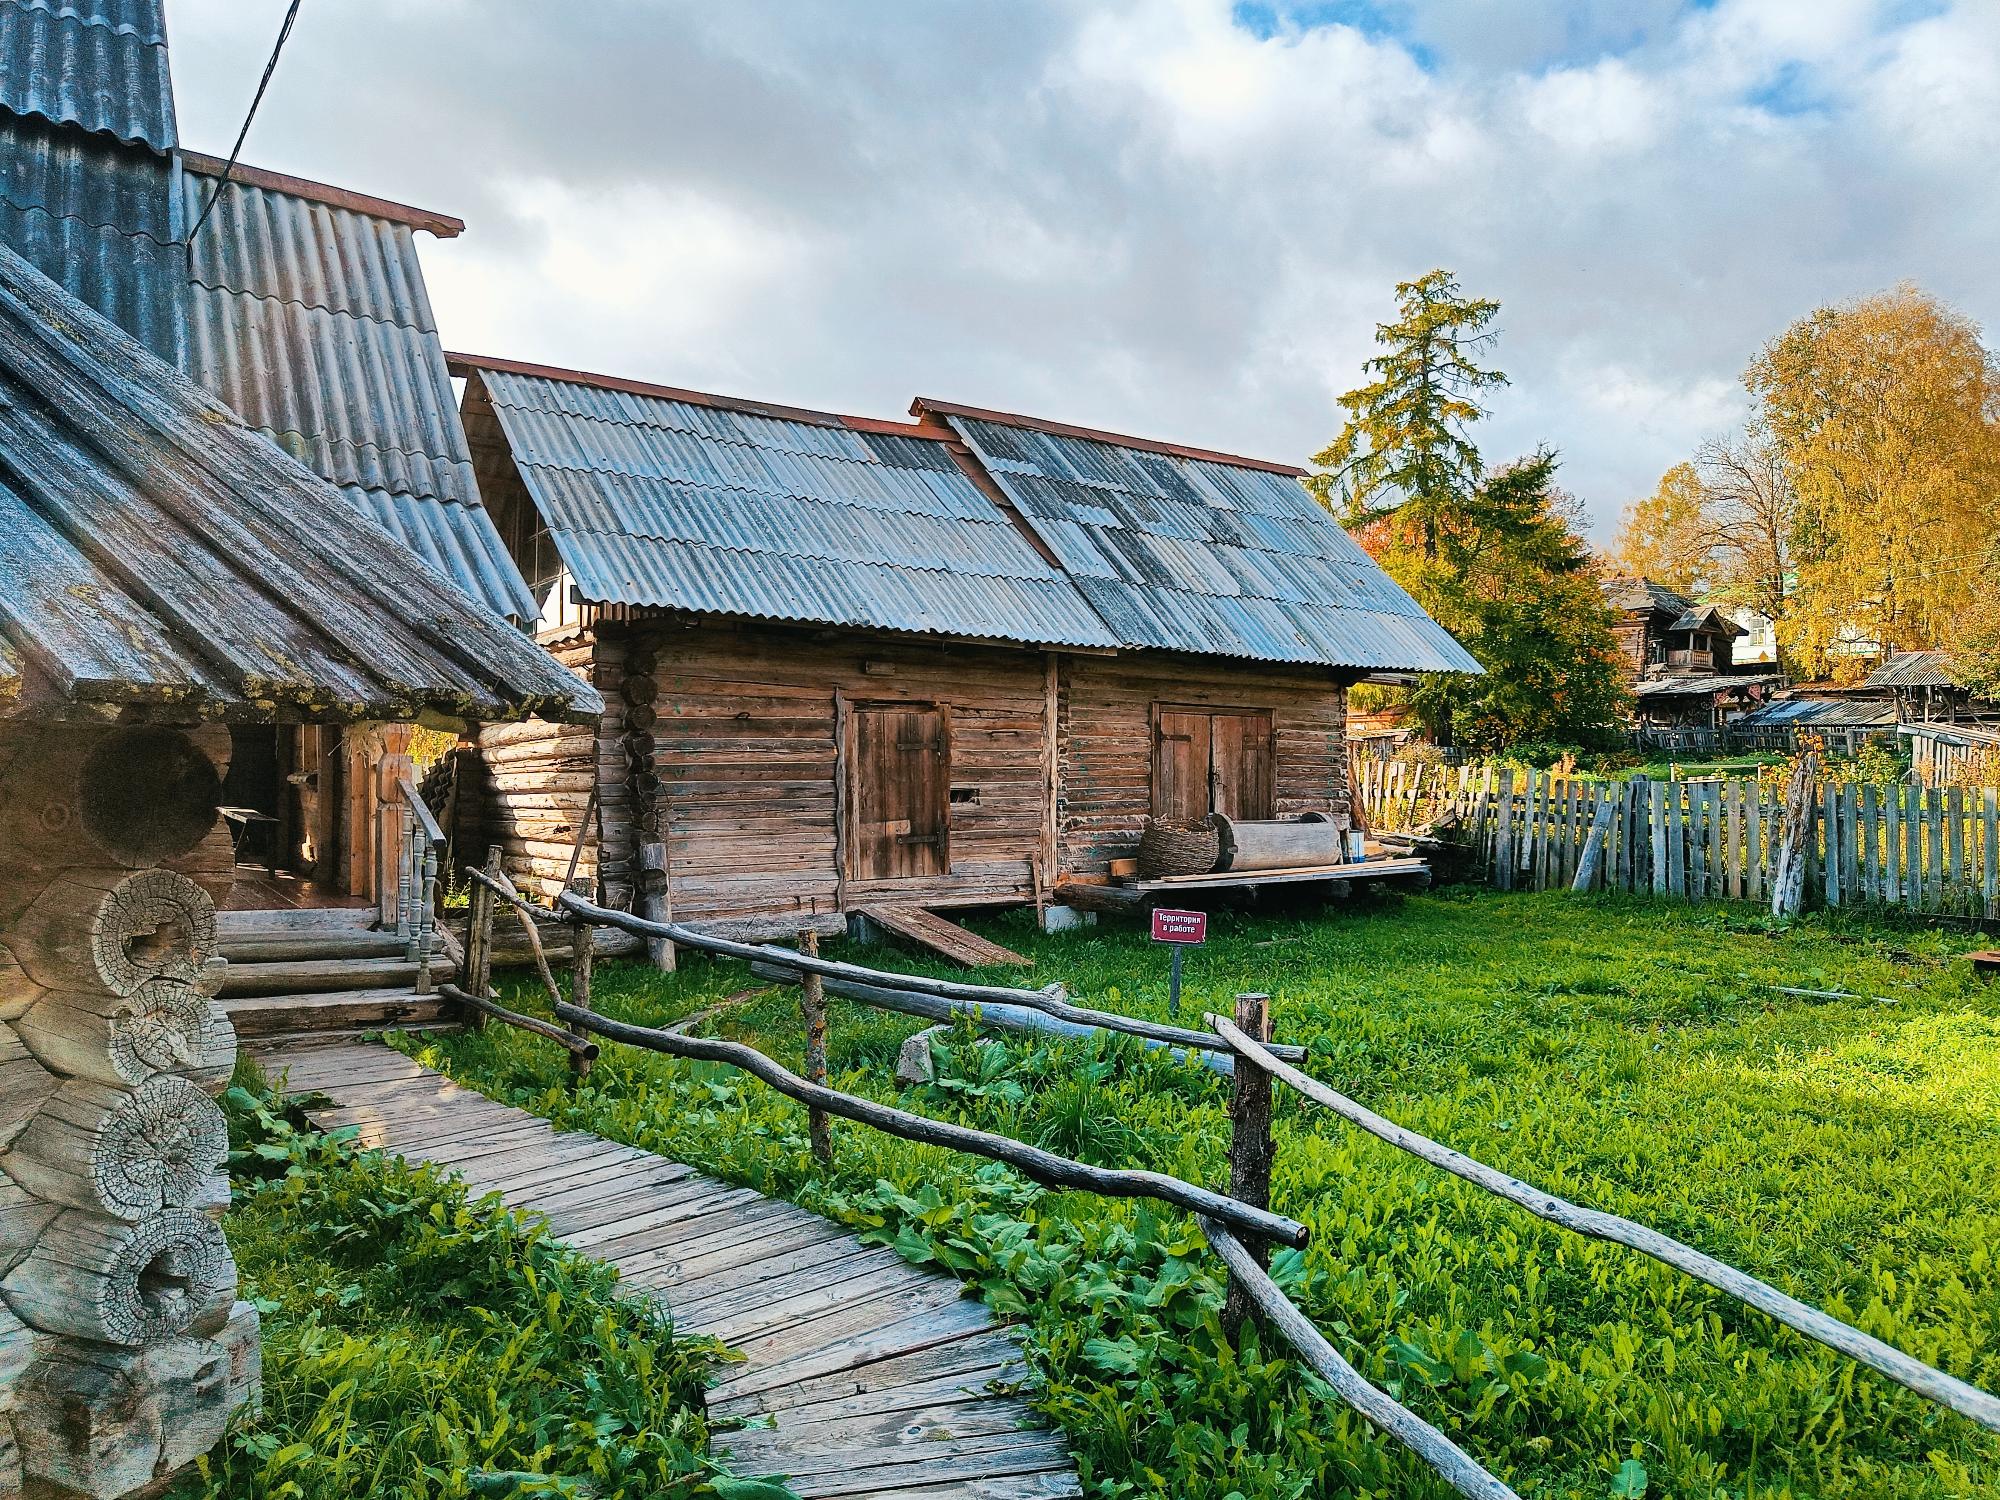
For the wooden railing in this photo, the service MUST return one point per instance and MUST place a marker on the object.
(1225, 1219)
(421, 847)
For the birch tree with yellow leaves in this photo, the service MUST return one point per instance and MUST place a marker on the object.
(1886, 414)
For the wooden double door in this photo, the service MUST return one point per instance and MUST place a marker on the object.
(899, 775)
(1208, 760)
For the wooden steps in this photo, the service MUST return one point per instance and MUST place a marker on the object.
(257, 1017)
(929, 930)
(874, 1379)
(304, 972)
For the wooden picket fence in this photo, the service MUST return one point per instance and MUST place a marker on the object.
(1926, 850)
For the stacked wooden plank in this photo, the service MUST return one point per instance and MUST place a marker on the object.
(123, 1349)
(867, 1376)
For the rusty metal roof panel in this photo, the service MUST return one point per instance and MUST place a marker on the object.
(100, 65)
(164, 558)
(1913, 669)
(1186, 552)
(675, 504)
(98, 218)
(312, 322)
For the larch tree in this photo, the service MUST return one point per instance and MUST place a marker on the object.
(1885, 412)
(1496, 558)
(1405, 456)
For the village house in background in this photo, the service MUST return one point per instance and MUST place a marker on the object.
(854, 664)
(1679, 658)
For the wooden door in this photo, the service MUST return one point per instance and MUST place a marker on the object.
(1181, 749)
(901, 770)
(1208, 761)
(1240, 775)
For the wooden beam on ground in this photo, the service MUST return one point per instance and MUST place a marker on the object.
(929, 930)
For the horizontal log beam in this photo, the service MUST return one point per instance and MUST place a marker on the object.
(977, 994)
(1018, 1018)
(582, 1046)
(1032, 1161)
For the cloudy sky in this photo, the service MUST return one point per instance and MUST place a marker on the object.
(1180, 218)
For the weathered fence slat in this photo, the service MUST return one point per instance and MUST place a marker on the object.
(1935, 851)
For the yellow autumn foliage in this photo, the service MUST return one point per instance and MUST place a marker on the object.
(1887, 413)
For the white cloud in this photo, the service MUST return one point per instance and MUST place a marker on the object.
(1138, 214)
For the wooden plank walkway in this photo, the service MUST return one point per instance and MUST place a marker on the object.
(868, 1376)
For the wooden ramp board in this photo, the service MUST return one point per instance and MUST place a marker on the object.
(1372, 869)
(1986, 964)
(932, 931)
(863, 1376)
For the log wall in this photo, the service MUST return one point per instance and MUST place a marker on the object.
(738, 727)
(123, 1349)
(1105, 741)
(738, 736)
(528, 789)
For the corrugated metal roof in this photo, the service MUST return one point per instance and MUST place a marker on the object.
(695, 505)
(1691, 684)
(99, 218)
(161, 555)
(311, 320)
(1913, 669)
(97, 64)
(1204, 554)
(1819, 713)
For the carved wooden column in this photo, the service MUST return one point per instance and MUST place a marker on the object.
(123, 1349)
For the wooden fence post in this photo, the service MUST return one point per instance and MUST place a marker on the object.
(582, 958)
(812, 1005)
(1788, 884)
(478, 945)
(1250, 1148)
(1595, 844)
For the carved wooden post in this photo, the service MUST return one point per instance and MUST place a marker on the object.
(1249, 1142)
(123, 1349)
(812, 1005)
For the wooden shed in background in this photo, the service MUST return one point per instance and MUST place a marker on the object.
(945, 663)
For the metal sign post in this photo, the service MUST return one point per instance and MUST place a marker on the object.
(1180, 930)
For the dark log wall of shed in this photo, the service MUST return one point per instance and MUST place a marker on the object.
(528, 788)
(1105, 732)
(747, 723)
(748, 747)
(747, 744)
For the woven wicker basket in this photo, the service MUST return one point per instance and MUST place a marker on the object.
(1177, 849)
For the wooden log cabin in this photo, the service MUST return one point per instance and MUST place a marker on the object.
(949, 662)
(169, 577)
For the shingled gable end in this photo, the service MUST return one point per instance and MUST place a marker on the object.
(950, 662)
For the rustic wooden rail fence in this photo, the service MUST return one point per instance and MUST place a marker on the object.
(1224, 1218)
(1932, 851)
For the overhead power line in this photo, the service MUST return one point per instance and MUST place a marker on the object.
(270, 67)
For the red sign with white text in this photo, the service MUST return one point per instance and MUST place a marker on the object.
(1171, 926)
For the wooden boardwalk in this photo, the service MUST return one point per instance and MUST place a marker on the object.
(864, 1375)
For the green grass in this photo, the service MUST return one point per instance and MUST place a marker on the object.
(1632, 1057)
(420, 1344)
